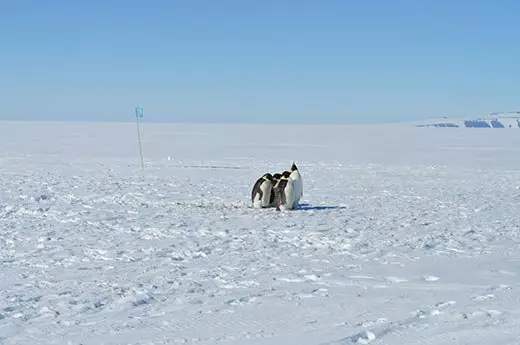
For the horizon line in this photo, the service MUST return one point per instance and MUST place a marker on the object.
(155, 121)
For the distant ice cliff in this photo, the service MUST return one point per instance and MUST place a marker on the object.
(487, 122)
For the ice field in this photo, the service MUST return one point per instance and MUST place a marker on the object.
(404, 235)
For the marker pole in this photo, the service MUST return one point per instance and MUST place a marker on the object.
(138, 114)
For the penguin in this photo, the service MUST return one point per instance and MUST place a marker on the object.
(298, 183)
(284, 193)
(262, 194)
(276, 178)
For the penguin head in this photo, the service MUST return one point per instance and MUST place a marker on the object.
(294, 167)
(268, 176)
(277, 176)
(286, 174)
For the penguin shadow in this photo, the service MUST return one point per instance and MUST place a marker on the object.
(309, 207)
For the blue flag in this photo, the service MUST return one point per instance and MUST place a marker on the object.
(139, 112)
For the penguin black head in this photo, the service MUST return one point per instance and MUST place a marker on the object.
(294, 167)
(268, 176)
(286, 174)
(277, 176)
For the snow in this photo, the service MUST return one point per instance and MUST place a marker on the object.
(404, 235)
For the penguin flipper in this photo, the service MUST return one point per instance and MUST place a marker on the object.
(260, 194)
(272, 196)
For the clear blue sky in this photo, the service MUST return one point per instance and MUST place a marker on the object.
(327, 61)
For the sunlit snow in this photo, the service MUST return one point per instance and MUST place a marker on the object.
(404, 235)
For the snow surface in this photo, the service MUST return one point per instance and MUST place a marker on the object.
(404, 235)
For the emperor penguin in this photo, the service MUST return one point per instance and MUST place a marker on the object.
(276, 178)
(284, 193)
(298, 183)
(262, 194)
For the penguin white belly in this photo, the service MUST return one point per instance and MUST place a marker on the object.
(290, 195)
(298, 186)
(257, 202)
(287, 202)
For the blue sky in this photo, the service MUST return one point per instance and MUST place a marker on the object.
(330, 61)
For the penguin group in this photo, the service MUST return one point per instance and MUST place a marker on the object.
(282, 191)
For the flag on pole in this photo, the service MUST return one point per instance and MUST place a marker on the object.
(138, 112)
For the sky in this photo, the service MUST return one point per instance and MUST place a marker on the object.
(269, 61)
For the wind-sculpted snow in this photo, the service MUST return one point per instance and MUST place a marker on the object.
(94, 251)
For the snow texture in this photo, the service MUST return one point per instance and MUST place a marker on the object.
(404, 235)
